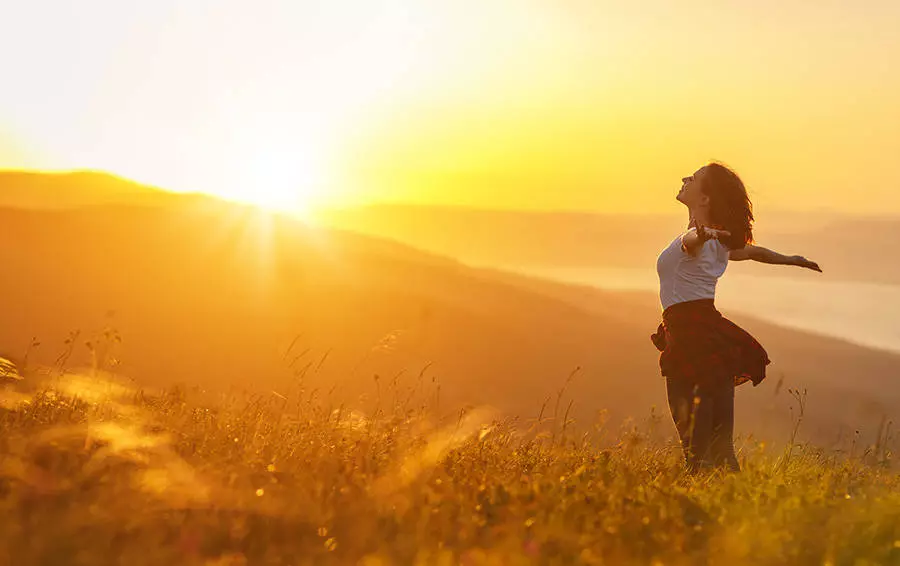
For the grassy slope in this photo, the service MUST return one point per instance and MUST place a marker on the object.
(94, 473)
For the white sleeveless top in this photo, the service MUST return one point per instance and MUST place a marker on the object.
(683, 277)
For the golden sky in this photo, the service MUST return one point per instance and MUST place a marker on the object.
(562, 104)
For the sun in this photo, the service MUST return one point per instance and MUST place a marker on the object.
(279, 181)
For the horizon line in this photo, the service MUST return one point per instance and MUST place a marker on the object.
(387, 203)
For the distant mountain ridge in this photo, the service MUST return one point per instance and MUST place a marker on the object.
(848, 247)
(74, 189)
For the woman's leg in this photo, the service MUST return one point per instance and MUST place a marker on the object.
(692, 411)
(722, 426)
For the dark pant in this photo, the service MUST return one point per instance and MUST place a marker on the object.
(704, 417)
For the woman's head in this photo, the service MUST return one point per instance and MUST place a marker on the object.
(720, 192)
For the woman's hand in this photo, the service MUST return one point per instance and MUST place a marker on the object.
(711, 233)
(693, 241)
(801, 261)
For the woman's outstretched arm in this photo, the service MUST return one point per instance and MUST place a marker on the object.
(765, 255)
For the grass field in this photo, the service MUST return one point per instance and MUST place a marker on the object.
(93, 471)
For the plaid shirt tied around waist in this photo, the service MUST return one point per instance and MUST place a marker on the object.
(697, 343)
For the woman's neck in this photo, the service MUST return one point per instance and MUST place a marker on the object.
(699, 216)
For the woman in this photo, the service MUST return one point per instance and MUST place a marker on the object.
(704, 355)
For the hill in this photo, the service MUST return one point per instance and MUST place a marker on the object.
(75, 189)
(228, 297)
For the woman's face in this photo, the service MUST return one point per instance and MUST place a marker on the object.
(691, 195)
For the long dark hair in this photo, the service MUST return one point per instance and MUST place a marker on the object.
(729, 206)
